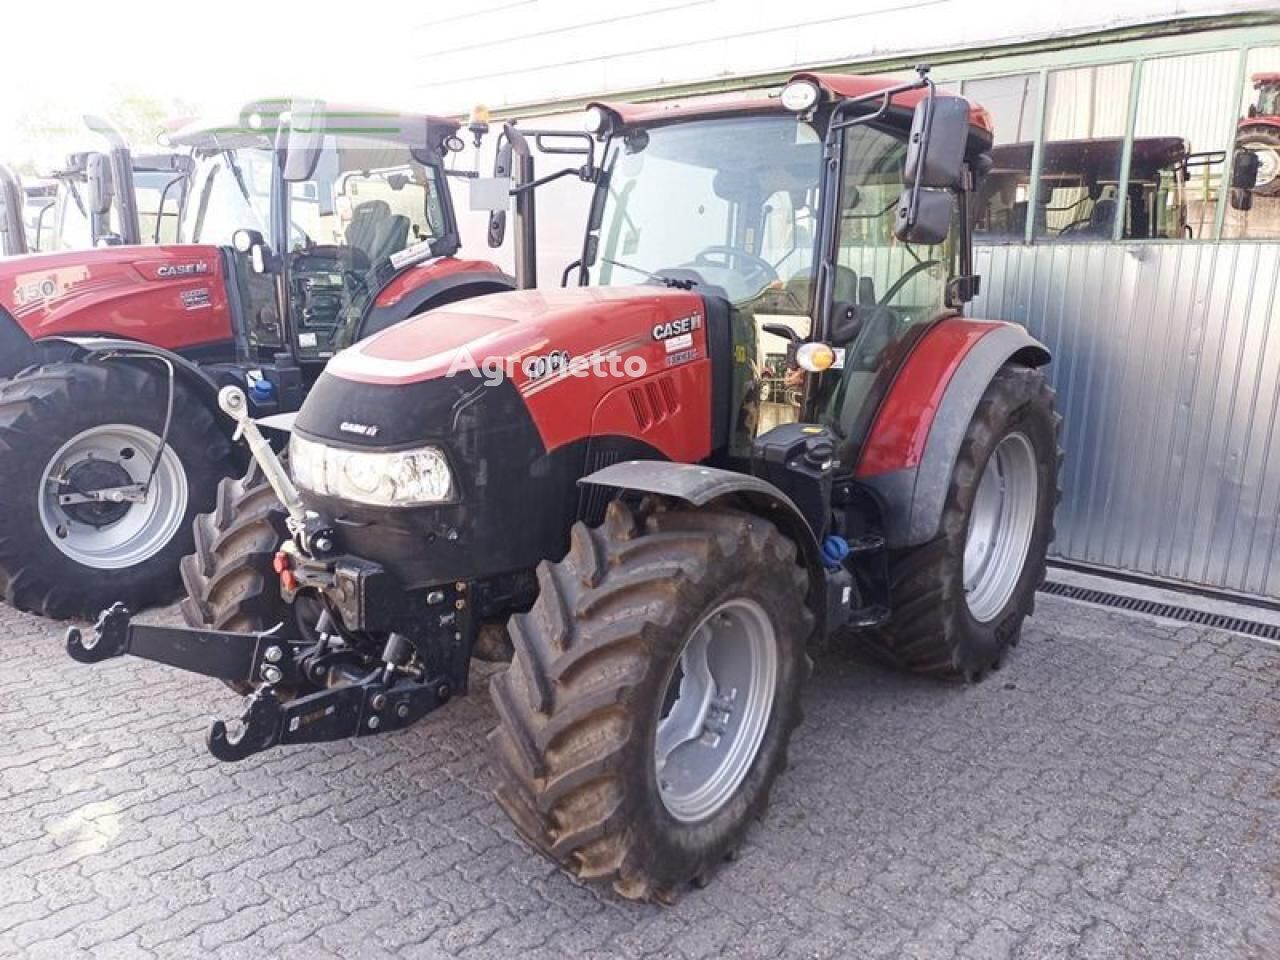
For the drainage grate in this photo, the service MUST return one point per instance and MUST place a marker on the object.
(1266, 631)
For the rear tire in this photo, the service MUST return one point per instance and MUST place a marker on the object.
(940, 625)
(1265, 142)
(595, 668)
(77, 427)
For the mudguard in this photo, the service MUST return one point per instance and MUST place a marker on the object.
(913, 444)
(699, 486)
(17, 350)
(447, 282)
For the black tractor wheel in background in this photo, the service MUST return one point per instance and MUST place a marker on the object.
(655, 686)
(959, 601)
(1265, 142)
(231, 583)
(68, 429)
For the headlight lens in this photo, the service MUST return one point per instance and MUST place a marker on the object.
(401, 478)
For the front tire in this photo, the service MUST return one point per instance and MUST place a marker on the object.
(959, 601)
(231, 583)
(67, 429)
(598, 754)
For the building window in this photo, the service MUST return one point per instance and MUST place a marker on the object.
(1178, 157)
(1014, 105)
(1086, 115)
(1254, 174)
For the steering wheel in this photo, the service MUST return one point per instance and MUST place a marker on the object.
(757, 266)
(903, 280)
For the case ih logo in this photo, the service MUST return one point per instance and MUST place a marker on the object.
(167, 270)
(362, 429)
(677, 328)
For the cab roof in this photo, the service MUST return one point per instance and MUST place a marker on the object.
(836, 86)
(256, 121)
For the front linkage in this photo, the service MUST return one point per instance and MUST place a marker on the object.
(331, 686)
(304, 692)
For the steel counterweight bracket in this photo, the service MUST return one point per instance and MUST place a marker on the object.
(110, 637)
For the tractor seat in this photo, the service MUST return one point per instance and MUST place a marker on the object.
(366, 220)
(392, 237)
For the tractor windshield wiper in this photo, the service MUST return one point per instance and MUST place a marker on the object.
(674, 282)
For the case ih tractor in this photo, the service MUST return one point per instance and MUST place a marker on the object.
(300, 237)
(1259, 133)
(590, 467)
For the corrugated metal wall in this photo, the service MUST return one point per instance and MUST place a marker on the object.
(1167, 365)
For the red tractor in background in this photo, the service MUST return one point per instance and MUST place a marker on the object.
(1259, 133)
(305, 228)
(586, 478)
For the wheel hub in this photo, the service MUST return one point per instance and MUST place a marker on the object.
(716, 709)
(89, 476)
(115, 533)
(1001, 522)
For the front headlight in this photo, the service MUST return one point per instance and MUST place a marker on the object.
(402, 478)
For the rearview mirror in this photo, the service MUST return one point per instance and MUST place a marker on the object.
(502, 161)
(930, 220)
(304, 140)
(934, 168)
(935, 150)
(1244, 179)
(98, 175)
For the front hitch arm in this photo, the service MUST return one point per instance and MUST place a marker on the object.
(247, 658)
(355, 710)
(383, 700)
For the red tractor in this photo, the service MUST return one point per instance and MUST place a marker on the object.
(585, 478)
(1259, 133)
(303, 230)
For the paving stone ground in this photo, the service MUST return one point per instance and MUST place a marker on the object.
(1113, 792)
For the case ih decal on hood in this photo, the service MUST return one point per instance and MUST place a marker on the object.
(171, 297)
(585, 360)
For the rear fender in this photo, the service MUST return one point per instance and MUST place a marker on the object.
(433, 291)
(915, 440)
(701, 486)
(86, 349)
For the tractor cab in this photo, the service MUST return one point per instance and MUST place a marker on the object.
(87, 209)
(1267, 101)
(318, 211)
(733, 201)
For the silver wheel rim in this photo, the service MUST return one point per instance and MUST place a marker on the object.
(1001, 522)
(1268, 160)
(717, 705)
(145, 528)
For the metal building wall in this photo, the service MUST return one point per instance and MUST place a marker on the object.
(1167, 365)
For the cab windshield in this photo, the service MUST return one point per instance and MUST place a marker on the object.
(366, 201)
(728, 203)
(371, 196)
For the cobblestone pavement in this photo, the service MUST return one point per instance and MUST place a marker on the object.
(1114, 792)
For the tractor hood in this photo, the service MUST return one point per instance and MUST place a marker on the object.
(523, 393)
(171, 297)
(513, 330)
(561, 352)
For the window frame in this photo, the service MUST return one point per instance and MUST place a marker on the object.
(1240, 41)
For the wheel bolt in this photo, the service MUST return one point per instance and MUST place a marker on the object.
(374, 723)
(402, 711)
(379, 701)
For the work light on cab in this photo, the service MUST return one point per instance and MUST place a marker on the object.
(800, 96)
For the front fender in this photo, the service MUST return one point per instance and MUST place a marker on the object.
(700, 486)
(17, 350)
(915, 440)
